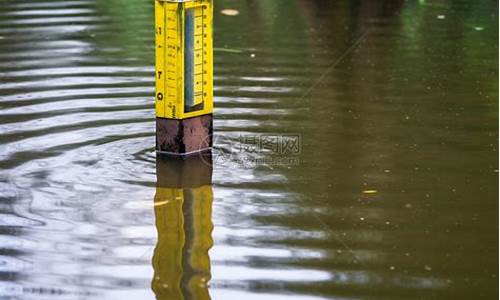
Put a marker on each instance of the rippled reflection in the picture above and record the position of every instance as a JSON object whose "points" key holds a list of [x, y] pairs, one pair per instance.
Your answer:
{"points": [[183, 211]]}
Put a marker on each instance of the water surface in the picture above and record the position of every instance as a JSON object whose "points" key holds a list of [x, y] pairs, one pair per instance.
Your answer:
{"points": [[393, 194]]}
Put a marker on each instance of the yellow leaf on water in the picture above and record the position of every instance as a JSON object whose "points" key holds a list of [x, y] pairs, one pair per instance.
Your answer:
{"points": [[230, 12]]}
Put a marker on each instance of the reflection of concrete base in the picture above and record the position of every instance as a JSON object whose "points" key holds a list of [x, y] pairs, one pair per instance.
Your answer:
{"points": [[183, 137], [184, 171]]}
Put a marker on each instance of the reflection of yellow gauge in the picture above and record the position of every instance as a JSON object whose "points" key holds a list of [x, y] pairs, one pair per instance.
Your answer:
{"points": [[184, 58], [184, 224], [183, 211]]}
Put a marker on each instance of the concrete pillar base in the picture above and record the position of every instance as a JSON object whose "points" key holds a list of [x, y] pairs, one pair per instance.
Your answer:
{"points": [[184, 137]]}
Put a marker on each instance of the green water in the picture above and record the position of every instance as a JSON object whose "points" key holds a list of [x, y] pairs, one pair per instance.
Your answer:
{"points": [[389, 190]]}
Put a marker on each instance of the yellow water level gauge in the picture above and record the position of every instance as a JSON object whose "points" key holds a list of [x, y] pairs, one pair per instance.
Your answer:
{"points": [[184, 58], [184, 75]]}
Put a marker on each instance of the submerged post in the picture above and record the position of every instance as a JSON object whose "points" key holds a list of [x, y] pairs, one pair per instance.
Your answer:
{"points": [[184, 76]]}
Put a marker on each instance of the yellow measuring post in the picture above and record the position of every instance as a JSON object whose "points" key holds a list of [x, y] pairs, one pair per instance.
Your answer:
{"points": [[184, 58], [184, 75]]}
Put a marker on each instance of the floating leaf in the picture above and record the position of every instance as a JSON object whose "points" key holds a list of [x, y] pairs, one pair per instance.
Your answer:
{"points": [[230, 12]]}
